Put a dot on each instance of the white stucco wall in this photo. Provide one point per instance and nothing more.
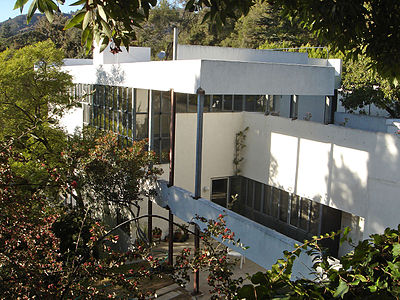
(218, 147)
(240, 54)
(252, 78)
(351, 170)
(135, 54)
(214, 77)
(72, 120)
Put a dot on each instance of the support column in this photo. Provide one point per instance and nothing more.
(199, 142)
(171, 176)
(172, 127)
(327, 109)
(196, 277)
(294, 107)
(333, 107)
(172, 158)
(197, 192)
(151, 147)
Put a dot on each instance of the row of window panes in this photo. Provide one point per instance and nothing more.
(275, 203)
(216, 103)
(111, 108)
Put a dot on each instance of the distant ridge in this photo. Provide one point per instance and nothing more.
(18, 24)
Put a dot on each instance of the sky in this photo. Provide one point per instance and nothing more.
(6, 8)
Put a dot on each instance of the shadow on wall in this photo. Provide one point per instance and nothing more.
(352, 170)
(116, 76)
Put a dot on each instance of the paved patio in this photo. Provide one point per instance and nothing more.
(174, 291)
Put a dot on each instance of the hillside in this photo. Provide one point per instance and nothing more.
(16, 25)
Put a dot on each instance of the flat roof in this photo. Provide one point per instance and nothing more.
(213, 76)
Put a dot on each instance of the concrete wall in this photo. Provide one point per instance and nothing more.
(214, 77)
(351, 170)
(240, 54)
(311, 104)
(218, 147)
(251, 78)
(363, 122)
(135, 54)
(368, 123)
(72, 120)
(77, 61)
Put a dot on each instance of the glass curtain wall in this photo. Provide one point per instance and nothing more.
(125, 111)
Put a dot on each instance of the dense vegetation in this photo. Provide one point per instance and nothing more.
(53, 249)
(15, 34)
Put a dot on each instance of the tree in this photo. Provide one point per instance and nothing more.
(69, 41)
(362, 87)
(371, 271)
(33, 92)
(358, 27)
(33, 96)
(264, 24)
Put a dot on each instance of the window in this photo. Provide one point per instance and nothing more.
(290, 214)
(238, 102)
(216, 103)
(125, 111)
(219, 191)
(227, 103)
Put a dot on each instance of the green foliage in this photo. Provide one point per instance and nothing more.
(33, 96)
(69, 41)
(213, 258)
(96, 170)
(33, 91)
(240, 139)
(371, 271)
(362, 87)
(264, 25)
(355, 27)
(156, 32)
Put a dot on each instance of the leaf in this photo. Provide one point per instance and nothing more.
(89, 42)
(102, 13)
(396, 250)
(247, 292)
(86, 19)
(106, 28)
(49, 14)
(20, 4)
(51, 5)
(258, 278)
(75, 20)
(341, 290)
(79, 2)
(104, 43)
(32, 8)
(85, 35)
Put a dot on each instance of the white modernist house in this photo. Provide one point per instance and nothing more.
(302, 173)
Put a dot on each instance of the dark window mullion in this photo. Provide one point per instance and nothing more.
(262, 190)
(279, 203)
(309, 216)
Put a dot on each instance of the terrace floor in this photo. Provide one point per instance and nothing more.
(173, 291)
